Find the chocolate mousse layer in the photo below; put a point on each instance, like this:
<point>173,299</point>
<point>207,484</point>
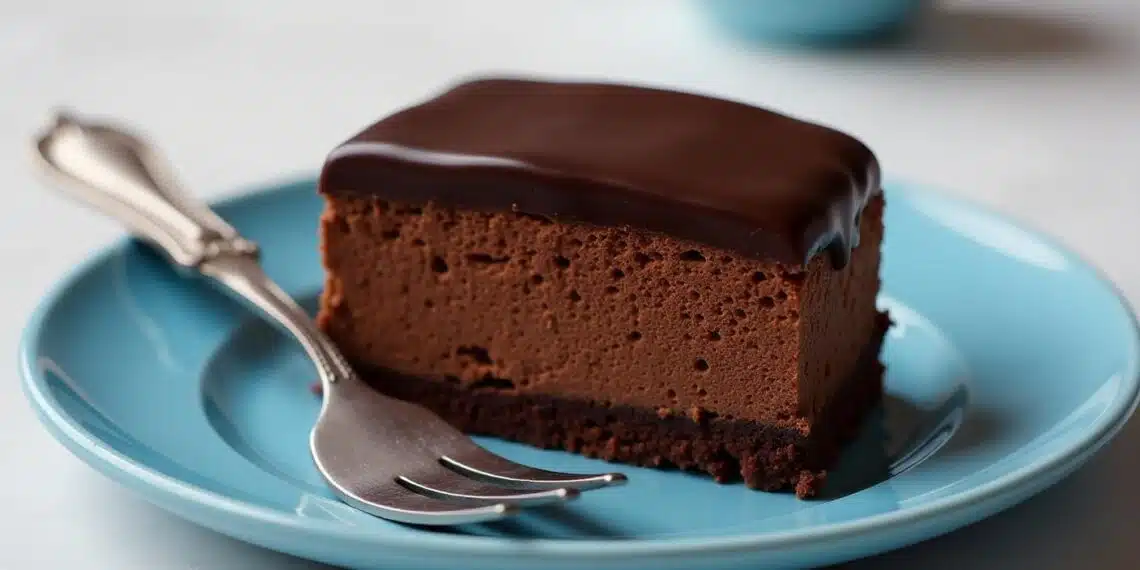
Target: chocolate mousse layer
<point>622,272</point>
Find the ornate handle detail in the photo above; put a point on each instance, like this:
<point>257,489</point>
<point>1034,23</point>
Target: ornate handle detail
<point>119,174</point>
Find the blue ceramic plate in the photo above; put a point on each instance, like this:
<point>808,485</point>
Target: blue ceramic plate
<point>1011,362</point>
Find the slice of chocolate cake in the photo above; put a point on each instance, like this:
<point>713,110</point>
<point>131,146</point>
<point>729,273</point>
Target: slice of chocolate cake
<point>642,275</point>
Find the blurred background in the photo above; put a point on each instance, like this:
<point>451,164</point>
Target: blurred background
<point>1027,106</point>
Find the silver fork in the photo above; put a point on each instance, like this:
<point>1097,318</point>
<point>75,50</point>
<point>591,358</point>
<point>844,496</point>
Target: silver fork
<point>384,456</point>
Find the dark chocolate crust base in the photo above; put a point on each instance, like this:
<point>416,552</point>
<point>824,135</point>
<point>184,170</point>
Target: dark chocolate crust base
<point>764,456</point>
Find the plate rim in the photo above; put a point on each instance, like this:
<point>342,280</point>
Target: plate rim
<point>88,448</point>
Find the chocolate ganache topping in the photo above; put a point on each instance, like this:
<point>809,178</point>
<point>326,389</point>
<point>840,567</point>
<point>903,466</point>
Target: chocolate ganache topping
<point>693,167</point>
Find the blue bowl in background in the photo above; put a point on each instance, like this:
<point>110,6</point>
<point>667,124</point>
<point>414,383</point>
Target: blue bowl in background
<point>812,21</point>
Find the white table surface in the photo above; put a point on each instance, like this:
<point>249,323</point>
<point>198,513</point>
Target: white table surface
<point>1032,107</point>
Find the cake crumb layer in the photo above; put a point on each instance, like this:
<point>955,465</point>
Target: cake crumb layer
<point>580,312</point>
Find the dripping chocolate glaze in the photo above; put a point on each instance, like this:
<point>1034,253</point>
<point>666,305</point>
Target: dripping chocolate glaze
<point>698,168</point>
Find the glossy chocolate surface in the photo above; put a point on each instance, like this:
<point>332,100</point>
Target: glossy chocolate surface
<point>693,167</point>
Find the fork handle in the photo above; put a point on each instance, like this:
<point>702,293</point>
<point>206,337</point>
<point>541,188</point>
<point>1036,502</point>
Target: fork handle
<point>119,174</point>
